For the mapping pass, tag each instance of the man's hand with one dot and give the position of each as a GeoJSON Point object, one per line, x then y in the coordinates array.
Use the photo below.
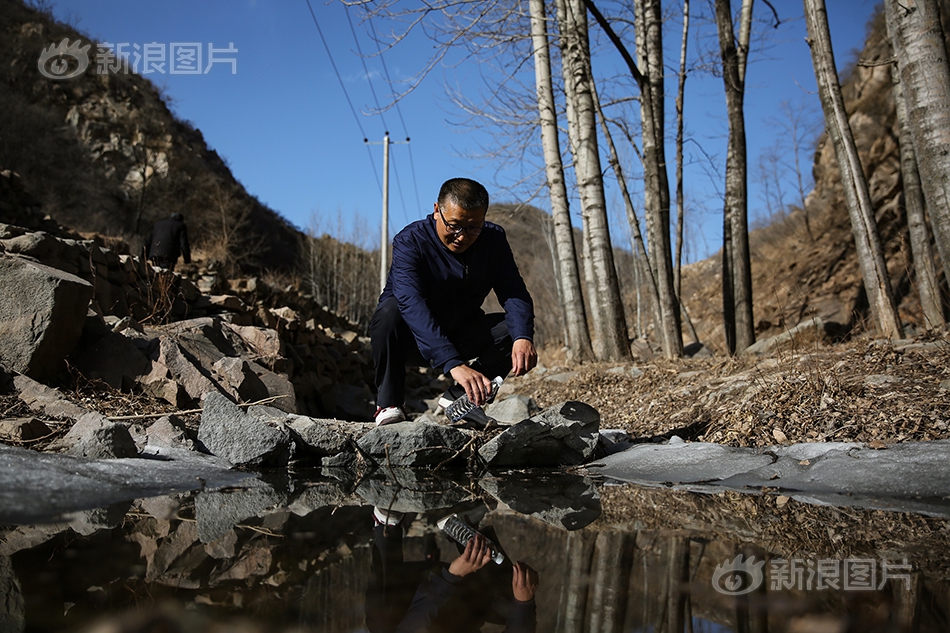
{"type": "Point", "coordinates": [524, 582]}
{"type": "Point", "coordinates": [476, 555]}
{"type": "Point", "coordinates": [523, 357]}
{"type": "Point", "coordinates": [476, 385]}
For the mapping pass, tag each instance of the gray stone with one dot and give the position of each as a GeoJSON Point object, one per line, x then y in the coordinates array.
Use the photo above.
{"type": "Point", "coordinates": [170, 432]}
{"type": "Point", "coordinates": [414, 444]}
{"type": "Point", "coordinates": [326, 437]}
{"type": "Point", "coordinates": [241, 438]}
{"type": "Point", "coordinates": [39, 397]}
{"type": "Point", "coordinates": [277, 386]}
{"type": "Point", "coordinates": [565, 434]}
{"type": "Point", "coordinates": [170, 362]}
{"type": "Point", "coordinates": [562, 377]}
{"type": "Point", "coordinates": [512, 410]}
{"type": "Point", "coordinates": [910, 477]}
{"type": "Point", "coordinates": [40, 487]}
{"type": "Point", "coordinates": [23, 429]}
{"type": "Point", "coordinates": [218, 512]}
{"type": "Point", "coordinates": [323, 494]}
{"type": "Point", "coordinates": [240, 379]}
{"type": "Point", "coordinates": [561, 499]}
{"type": "Point", "coordinates": [41, 315]}
{"type": "Point", "coordinates": [805, 332]}
{"type": "Point", "coordinates": [624, 370]}
{"type": "Point", "coordinates": [89, 522]}
{"type": "Point", "coordinates": [107, 442]}
{"type": "Point", "coordinates": [116, 360]}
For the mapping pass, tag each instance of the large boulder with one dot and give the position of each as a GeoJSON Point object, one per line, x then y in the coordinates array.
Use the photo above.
{"type": "Point", "coordinates": [41, 315]}
{"type": "Point", "coordinates": [564, 435]}
{"type": "Point", "coordinates": [256, 438]}
{"type": "Point", "coordinates": [414, 444]}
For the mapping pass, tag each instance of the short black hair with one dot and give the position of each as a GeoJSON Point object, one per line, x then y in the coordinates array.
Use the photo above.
{"type": "Point", "coordinates": [465, 192]}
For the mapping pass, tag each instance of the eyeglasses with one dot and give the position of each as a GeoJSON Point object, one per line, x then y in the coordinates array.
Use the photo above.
{"type": "Point", "coordinates": [457, 229]}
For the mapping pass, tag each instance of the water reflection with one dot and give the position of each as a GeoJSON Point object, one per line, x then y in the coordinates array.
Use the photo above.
{"type": "Point", "coordinates": [305, 554]}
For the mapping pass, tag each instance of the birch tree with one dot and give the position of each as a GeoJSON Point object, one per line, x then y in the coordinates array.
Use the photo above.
{"type": "Point", "coordinates": [649, 47]}
{"type": "Point", "coordinates": [866, 238]}
{"type": "Point", "coordinates": [610, 329]}
{"type": "Point", "coordinates": [736, 263]}
{"type": "Point", "coordinates": [918, 41]}
{"type": "Point", "coordinates": [577, 335]}
{"type": "Point", "coordinates": [924, 271]}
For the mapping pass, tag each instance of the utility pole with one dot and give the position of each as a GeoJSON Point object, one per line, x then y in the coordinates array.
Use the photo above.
{"type": "Point", "coordinates": [384, 232]}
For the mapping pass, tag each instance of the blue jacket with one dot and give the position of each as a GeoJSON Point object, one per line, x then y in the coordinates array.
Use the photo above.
{"type": "Point", "coordinates": [439, 291]}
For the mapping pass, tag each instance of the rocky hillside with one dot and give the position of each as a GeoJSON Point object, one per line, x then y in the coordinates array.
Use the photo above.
{"type": "Point", "coordinates": [799, 274]}
{"type": "Point", "coordinates": [103, 153]}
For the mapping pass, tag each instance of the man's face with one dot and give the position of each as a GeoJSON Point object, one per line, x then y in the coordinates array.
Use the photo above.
{"type": "Point", "coordinates": [457, 228]}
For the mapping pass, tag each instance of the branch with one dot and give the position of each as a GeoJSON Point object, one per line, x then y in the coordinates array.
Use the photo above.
{"type": "Point", "coordinates": [144, 416]}
{"type": "Point", "coordinates": [621, 48]}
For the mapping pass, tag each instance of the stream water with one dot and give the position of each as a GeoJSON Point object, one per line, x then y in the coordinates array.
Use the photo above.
{"type": "Point", "coordinates": [297, 554]}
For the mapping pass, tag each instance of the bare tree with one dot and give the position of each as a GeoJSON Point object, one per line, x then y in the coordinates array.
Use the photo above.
{"type": "Point", "coordinates": [917, 38]}
{"type": "Point", "coordinates": [925, 272]}
{"type": "Point", "coordinates": [867, 240]}
{"type": "Point", "coordinates": [680, 202]}
{"type": "Point", "coordinates": [736, 263]}
{"type": "Point", "coordinates": [610, 329]}
{"type": "Point", "coordinates": [577, 336]}
{"type": "Point", "coordinates": [649, 46]}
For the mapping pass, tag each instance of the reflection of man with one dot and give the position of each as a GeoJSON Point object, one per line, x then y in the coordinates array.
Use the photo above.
{"type": "Point", "coordinates": [459, 597]}
{"type": "Point", "coordinates": [430, 311]}
{"type": "Point", "coordinates": [167, 241]}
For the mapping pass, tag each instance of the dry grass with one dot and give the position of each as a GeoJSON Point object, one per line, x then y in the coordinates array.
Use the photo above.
{"type": "Point", "coordinates": [863, 391]}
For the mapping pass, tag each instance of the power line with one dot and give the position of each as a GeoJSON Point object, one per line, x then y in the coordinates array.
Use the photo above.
{"type": "Point", "coordinates": [369, 80]}
{"type": "Point", "coordinates": [412, 164]}
{"type": "Point", "coordinates": [345, 93]}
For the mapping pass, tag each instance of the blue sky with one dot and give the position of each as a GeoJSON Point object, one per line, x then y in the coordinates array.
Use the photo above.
{"type": "Point", "coordinates": [287, 130]}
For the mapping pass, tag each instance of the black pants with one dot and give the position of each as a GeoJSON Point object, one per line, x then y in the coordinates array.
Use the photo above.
{"type": "Point", "coordinates": [393, 581]}
{"type": "Point", "coordinates": [485, 338]}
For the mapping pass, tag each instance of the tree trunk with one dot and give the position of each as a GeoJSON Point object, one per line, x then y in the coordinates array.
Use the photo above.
{"type": "Point", "coordinates": [924, 271]}
{"type": "Point", "coordinates": [680, 202]}
{"type": "Point", "coordinates": [577, 336]}
{"type": "Point", "coordinates": [738, 267]}
{"type": "Point", "coordinates": [918, 41]}
{"type": "Point", "coordinates": [866, 238]}
{"type": "Point", "coordinates": [611, 342]}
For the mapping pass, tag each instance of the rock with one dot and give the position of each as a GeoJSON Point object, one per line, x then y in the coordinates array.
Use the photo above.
{"type": "Point", "coordinates": [625, 370]}
{"type": "Point", "coordinates": [512, 410]}
{"type": "Point", "coordinates": [114, 359]}
{"type": "Point", "coordinates": [95, 437]}
{"type": "Point", "coordinates": [641, 350]}
{"type": "Point", "coordinates": [240, 380]}
{"type": "Point", "coordinates": [564, 500]}
{"type": "Point", "coordinates": [41, 316]}
{"type": "Point", "coordinates": [244, 439]}
{"type": "Point", "coordinates": [322, 494]}
{"type": "Point", "coordinates": [697, 350]}
{"type": "Point", "coordinates": [326, 437]}
{"type": "Point", "coordinates": [565, 434]}
{"type": "Point", "coordinates": [277, 385]}
{"type": "Point", "coordinates": [414, 444]}
{"type": "Point", "coordinates": [88, 522]}
{"type": "Point", "coordinates": [169, 432]}
{"type": "Point", "coordinates": [170, 362]}
{"type": "Point", "coordinates": [23, 429]}
{"type": "Point", "coordinates": [562, 377]}
{"type": "Point", "coordinates": [39, 397]}
{"type": "Point", "coordinates": [803, 333]}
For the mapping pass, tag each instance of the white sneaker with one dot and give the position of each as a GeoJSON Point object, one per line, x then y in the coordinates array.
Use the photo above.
{"type": "Point", "coordinates": [381, 516]}
{"type": "Point", "coordinates": [389, 415]}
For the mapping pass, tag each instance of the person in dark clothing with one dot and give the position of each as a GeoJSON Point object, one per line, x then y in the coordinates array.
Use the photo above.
{"type": "Point", "coordinates": [167, 241]}
{"type": "Point", "coordinates": [430, 311]}
{"type": "Point", "coordinates": [427, 596]}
